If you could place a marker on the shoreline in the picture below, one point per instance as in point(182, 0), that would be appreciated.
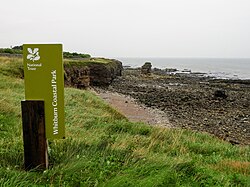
point(226, 68)
point(191, 102)
point(190, 72)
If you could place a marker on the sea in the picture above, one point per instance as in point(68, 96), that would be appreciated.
point(223, 68)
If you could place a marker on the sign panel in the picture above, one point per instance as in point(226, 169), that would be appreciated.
point(44, 80)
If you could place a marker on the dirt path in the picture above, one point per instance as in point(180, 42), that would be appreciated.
point(133, 111)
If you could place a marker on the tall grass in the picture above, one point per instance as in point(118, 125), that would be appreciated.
point(102, 148)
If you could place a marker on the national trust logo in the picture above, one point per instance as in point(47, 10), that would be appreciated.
point(33, 54)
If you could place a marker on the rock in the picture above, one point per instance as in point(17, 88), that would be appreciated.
point(234, 142)
point(171, 70)
point(104, 74)
point(77, 77)
point(220, 94)
point(146, 68)
point(186, 71)
point(190, 105)
point(94, 72)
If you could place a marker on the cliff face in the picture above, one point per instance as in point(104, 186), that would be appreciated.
point(91, 72)
point(76, 76)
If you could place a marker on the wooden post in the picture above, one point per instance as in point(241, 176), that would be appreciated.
point(34, 139)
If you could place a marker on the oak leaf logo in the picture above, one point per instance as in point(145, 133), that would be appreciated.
point(33, 54)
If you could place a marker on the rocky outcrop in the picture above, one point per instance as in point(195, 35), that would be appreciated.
point(146, 68)
point(94, 72)
point(104, 74)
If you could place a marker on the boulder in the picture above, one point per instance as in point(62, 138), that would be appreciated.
point(220, 94)
point(146, 68)
point(171, 70)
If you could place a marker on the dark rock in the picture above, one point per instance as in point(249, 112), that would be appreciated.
point(77, 77)
point(171, 70)
point(234, 142)
point(146, 68)
point(220, 94)
point(186, 71)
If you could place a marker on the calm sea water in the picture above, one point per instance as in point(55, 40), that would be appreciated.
point(217, 67)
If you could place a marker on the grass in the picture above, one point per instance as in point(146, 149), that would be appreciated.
point(103, 149)
point(11, 67)
point(87, 61)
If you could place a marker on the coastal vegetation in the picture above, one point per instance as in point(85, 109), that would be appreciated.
point(75, 55)
point(19, 50)
point(102, 148)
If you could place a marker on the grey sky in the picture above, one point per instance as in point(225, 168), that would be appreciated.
point(131, 28)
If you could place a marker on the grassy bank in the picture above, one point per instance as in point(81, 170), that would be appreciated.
point(103, 149)
point(19, 51)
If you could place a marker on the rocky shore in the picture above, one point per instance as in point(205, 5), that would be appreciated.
point(219, 107)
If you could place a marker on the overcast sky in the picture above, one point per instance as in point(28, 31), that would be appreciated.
point(131, 28)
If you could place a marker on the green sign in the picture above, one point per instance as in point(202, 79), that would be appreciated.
point(44, 80)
